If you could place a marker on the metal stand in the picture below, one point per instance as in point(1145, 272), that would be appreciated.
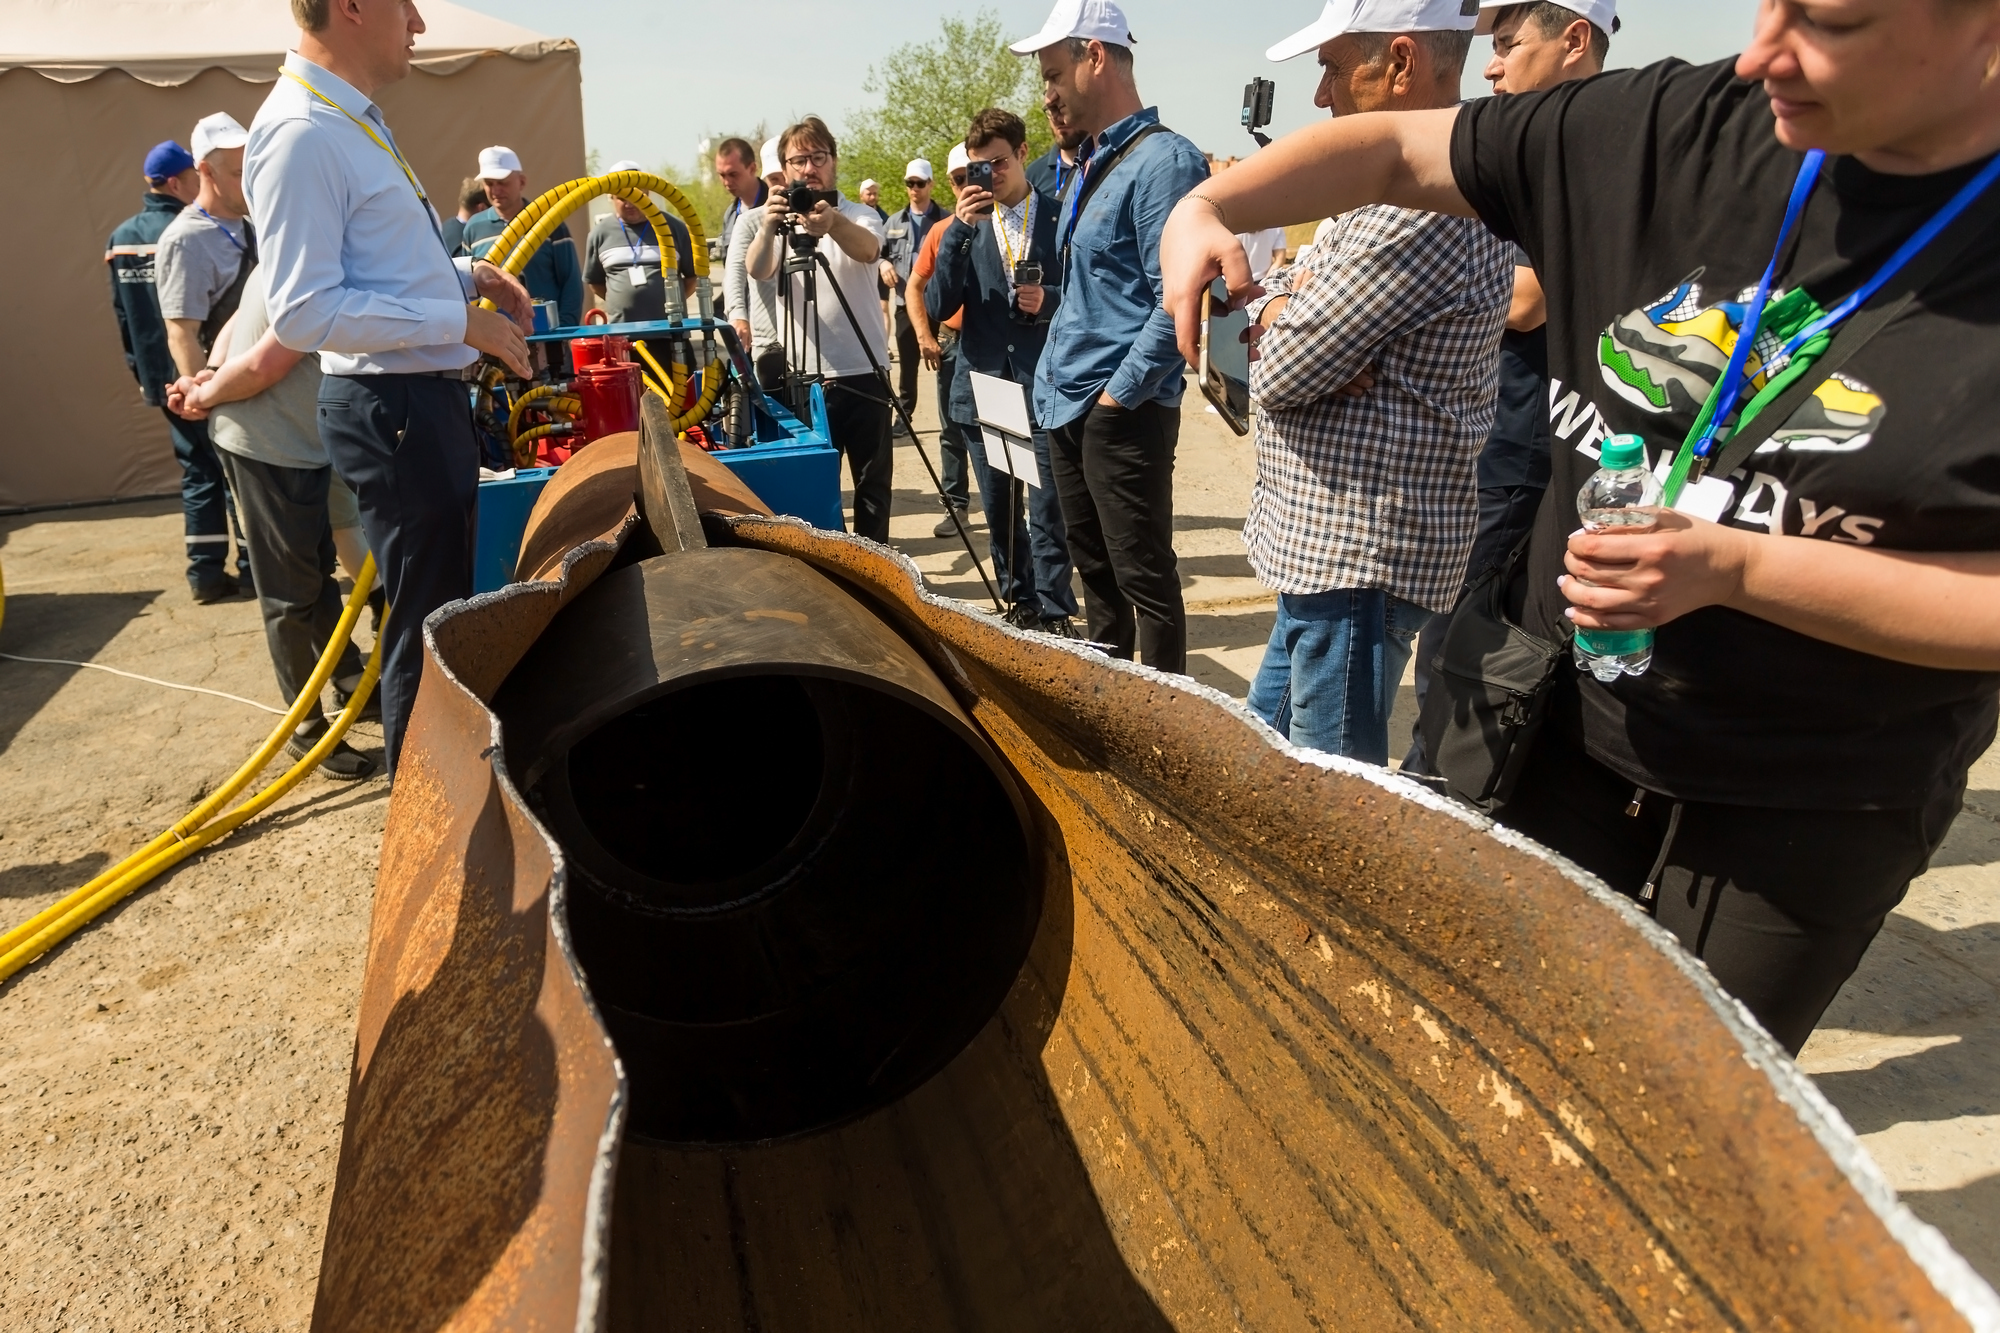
point(803, 262)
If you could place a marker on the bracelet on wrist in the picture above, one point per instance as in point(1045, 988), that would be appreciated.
point(1220, 215)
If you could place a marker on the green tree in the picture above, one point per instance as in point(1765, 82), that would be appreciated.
point(929, 92)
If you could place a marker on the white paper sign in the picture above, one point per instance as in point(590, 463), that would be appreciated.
point(1002, 412)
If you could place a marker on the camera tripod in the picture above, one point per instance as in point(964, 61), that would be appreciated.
point(807, 261)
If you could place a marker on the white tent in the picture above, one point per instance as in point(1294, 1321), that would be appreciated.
point(87, 86)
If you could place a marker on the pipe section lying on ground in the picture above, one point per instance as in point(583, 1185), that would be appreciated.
point(1293, 1045)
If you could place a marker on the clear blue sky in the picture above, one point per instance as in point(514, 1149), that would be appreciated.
point(652, 90)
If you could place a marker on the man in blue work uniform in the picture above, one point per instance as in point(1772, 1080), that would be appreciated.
point(555, 273)
point(1108, 390)
point(172, 182)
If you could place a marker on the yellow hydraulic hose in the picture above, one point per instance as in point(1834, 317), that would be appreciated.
point(12, 943)
point(80, 914)
point(550, 399)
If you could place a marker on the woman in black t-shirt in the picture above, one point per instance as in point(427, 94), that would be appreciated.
point(1828, 658)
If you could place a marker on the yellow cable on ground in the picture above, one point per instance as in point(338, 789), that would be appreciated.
point(81, 913)
point(308, 695)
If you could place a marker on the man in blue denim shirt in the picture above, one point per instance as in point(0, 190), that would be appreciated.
point(1109, 385)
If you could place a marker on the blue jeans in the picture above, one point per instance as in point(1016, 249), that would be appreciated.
point(1043, 581)
point(1330, 672)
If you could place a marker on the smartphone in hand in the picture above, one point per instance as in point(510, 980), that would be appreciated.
point(1225, 358)
point(979, 176)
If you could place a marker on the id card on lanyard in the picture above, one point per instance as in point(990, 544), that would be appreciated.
point(1802, 331)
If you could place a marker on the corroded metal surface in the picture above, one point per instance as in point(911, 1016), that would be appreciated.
point(1296, 1047)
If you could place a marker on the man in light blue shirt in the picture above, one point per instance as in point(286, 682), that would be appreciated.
point(360, 274)
point(1108, 388)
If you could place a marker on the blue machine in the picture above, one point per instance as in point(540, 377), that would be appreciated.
point(504, 506)
point(790, 464)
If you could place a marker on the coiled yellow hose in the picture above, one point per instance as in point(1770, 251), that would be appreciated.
point(58, 921)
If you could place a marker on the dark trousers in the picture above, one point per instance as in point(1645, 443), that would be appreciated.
point(405, 445)
point(1780, 904)
point(1042, 578)
point(207, 511)
point(951, 436)
point(1114, 470)
point(857, 414)
point(291, 546)
point(1506, 513)
point(908, 360)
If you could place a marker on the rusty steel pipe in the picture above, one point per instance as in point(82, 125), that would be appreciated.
point(1294, 1046)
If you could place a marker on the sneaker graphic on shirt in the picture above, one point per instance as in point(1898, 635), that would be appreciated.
point(1664, 358)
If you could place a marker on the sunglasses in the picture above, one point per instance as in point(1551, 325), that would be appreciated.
point(915, 184)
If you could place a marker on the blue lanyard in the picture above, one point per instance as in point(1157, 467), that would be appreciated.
point(638, 260)
point(1082, 170)
point(1734, 378)
point(224, 230)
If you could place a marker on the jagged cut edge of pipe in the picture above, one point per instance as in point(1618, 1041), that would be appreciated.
point(593, 1284)
point(1955, 1279)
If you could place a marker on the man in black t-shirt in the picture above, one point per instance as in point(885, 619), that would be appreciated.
point(1536, 47)
point(1828, 655)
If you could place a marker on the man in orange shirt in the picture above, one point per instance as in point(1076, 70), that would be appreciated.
point(940, 352)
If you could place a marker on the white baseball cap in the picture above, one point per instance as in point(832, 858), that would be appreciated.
point(918, 170)
point(497, 163)
point(623, 164)
point(1345, 16)
point(1604, 13)
point(217, 131)
point(959, 158)
point(767, 158)
point(870, 184)
point(1092, 20)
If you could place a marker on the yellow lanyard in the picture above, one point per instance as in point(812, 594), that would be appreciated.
point(1000, 225)
point(380, 142)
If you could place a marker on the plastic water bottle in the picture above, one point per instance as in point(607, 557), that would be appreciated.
point(1620, 494)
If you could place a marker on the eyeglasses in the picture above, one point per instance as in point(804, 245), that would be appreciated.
point(818, 159)
point(915, 184)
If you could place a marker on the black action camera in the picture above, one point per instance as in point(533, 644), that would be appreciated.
point(1257, 95)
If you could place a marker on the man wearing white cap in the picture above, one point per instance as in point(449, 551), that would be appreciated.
point(554, 273)
point(1535, 46)
point(1108, 387)
point(1374, 390)
point(205, 254)
point(622, 261)
point(905, 229)
point(753, 306)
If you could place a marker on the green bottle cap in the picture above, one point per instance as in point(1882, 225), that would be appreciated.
point(1623, 451)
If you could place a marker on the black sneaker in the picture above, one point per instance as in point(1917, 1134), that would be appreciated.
point(343, 763)
point(210, 591)
point(1022, 615)
point(900, 431)
point(947, 528)
point(1059, 626)
point(370, 711)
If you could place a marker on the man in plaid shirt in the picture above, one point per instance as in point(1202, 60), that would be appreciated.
point(1374, 385)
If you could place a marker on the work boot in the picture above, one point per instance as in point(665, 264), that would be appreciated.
point(209, 591)
point(946, 528)
point(1024, 615)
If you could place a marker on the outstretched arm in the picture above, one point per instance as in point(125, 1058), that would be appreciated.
point(1389, 157)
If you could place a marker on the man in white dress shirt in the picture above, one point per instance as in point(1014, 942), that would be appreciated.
point(359, 273)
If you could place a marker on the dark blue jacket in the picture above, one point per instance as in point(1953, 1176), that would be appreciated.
point(135, 298)
point(996, 339)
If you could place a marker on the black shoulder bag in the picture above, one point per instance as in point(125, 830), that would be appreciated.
point(1491, 679)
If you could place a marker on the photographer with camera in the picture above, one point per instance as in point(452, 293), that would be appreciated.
point(796, 220)
point(997, 262)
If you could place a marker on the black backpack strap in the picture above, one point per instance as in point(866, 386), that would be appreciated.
point(1866, 322)
point(1096, 178)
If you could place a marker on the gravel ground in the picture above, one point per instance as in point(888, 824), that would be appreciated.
point(172, 1080)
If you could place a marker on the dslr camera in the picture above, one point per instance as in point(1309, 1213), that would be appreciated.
point(803, 199)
